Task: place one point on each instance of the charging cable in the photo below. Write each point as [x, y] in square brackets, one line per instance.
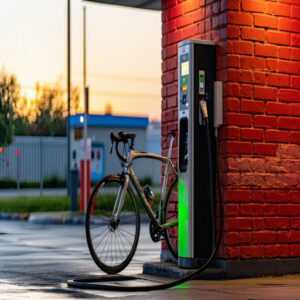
[84, 284]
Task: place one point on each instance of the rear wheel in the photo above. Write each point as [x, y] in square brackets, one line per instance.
[112, 243]
[171, 216]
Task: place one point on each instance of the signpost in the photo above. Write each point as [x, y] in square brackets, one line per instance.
[86, 142]
[85, 172]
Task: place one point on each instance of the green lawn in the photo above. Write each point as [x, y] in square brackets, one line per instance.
[34, 204]
[28, 204]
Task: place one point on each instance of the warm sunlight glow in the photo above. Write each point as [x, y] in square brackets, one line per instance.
[123, 67]
[30, 94]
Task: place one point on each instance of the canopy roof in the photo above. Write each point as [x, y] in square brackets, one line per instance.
[109, 121]
[146, 4]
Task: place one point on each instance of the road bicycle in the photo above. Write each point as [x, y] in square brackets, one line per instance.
[113, 212]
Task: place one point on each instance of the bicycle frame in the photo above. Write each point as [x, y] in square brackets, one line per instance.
[129, 174]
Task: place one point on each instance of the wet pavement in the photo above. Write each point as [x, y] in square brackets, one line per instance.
[37, 260]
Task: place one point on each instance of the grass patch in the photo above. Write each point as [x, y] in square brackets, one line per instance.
[54, 182]
[29, 204]
[34, 204]
[7, 183]
[50, 182]
[29, 185]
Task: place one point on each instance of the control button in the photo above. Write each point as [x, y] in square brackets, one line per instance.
[183, 101]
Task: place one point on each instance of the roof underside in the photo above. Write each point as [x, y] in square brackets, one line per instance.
[109, 121]
[146, 4]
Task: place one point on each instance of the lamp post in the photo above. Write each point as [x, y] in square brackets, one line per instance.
[69, 94]
[85, 90]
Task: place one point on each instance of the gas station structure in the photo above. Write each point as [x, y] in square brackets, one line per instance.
[258, 61]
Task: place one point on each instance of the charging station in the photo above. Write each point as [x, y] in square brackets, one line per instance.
[199, 115]
[196, 81]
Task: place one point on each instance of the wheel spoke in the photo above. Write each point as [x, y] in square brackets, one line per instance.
[122, 229]
[125, 237]
[115, 237]
[107, 246]
[101, 241]
[122, 242]
[112, 245]
[98, 235]
[121, 256]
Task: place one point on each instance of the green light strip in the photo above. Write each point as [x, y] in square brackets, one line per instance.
[183, 216]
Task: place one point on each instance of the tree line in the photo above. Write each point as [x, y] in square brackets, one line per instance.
[45, 115]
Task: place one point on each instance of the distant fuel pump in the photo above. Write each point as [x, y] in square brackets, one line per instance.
[199, 112]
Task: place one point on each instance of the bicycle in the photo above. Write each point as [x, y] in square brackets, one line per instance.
[113, 216]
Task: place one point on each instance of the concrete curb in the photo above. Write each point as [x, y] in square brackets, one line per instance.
[170, 270]
[14, 216]
[53, 218]
[48, 218]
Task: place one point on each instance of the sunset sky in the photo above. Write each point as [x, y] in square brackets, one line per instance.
[123, 51]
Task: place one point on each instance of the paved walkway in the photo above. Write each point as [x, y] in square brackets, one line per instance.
[36, 260]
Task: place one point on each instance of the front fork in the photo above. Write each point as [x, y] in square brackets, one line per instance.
[122, 192]
[120, 199]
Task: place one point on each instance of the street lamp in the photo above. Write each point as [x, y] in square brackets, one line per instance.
[69, 94]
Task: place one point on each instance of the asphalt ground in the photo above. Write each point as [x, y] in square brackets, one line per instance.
[36, 260]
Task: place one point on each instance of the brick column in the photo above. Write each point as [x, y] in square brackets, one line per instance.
[258, 60]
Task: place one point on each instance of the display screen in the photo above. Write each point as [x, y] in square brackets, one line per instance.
[185, 68]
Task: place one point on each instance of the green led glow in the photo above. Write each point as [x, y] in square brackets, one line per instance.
[184, 80]
[183, 216]
[201, 78]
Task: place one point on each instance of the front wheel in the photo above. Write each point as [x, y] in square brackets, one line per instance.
[112, 243]
[170, 216]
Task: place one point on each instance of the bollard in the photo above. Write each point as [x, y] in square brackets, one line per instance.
[73, 189]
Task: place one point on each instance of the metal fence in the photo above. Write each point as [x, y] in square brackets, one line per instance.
[34, 159]
[33, 162]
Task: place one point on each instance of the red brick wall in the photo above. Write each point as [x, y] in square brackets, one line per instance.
[258, 60]
[182, 20]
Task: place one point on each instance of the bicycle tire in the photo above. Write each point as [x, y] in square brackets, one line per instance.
[171, 234]
[98, 215]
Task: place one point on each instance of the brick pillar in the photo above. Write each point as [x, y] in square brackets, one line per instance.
[258, 60]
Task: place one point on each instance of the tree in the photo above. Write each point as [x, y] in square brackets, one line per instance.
[50, 111]
[46, 114]
[108, 109]
[9, 93]
[22, 116]
[75, 99]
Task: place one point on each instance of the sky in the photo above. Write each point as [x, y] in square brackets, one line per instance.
[123, 51]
